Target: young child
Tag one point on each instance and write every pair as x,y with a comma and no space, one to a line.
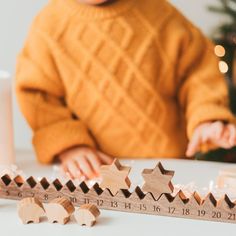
129,78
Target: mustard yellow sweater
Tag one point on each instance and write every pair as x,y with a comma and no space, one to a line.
133,78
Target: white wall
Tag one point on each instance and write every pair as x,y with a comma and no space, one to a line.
15,18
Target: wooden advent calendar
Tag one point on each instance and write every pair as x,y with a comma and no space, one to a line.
154,197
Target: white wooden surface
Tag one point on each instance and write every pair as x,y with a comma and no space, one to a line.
118,223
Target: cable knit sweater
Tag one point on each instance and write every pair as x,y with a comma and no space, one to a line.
133,78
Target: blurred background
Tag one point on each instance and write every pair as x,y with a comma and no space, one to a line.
216,18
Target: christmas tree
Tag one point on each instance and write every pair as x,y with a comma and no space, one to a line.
225,35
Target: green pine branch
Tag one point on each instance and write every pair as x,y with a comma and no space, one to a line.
227,7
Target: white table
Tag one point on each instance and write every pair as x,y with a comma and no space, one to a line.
118,223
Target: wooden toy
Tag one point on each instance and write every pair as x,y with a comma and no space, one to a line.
115,177
30,210
157,180
138,201
59,210
227,178
87,214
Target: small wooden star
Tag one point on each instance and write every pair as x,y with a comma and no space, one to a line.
115,177
157,180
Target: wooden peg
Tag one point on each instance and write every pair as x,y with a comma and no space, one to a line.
30,210
115,177
158,180
87,214
59,210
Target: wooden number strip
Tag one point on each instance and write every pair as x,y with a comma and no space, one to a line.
193,207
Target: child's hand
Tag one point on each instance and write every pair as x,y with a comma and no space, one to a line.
83,162
217,134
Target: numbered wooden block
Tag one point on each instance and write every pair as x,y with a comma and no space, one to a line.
115,177
30,210
87,215
59,210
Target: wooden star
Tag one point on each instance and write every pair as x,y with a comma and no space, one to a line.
115,177
157,180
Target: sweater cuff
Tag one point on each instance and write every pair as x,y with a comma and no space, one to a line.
208,113
52,140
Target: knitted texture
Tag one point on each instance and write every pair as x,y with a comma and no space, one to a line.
133,78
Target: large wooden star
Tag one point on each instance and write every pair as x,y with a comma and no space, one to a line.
115,177
157,180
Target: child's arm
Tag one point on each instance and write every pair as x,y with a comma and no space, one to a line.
41,94
203,93
214,134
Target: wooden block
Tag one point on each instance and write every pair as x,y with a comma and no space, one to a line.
59,210
30,210
115,177
87,214
157,180
227,178
228,172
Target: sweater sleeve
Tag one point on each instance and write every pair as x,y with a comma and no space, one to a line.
202,93
41,96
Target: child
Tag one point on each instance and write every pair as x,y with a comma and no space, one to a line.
129,78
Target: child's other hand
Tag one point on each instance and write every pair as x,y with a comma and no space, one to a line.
83,162
216,133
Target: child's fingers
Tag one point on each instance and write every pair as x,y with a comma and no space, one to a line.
105,158
73,170
224,141
217,134
223,144
94,162
217,130
232,134
226,137
84,166
200,136
206,134
194,144
65,170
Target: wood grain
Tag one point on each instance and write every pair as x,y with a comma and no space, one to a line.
59,210
115,177
30,210
138,201
158,180
87,214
